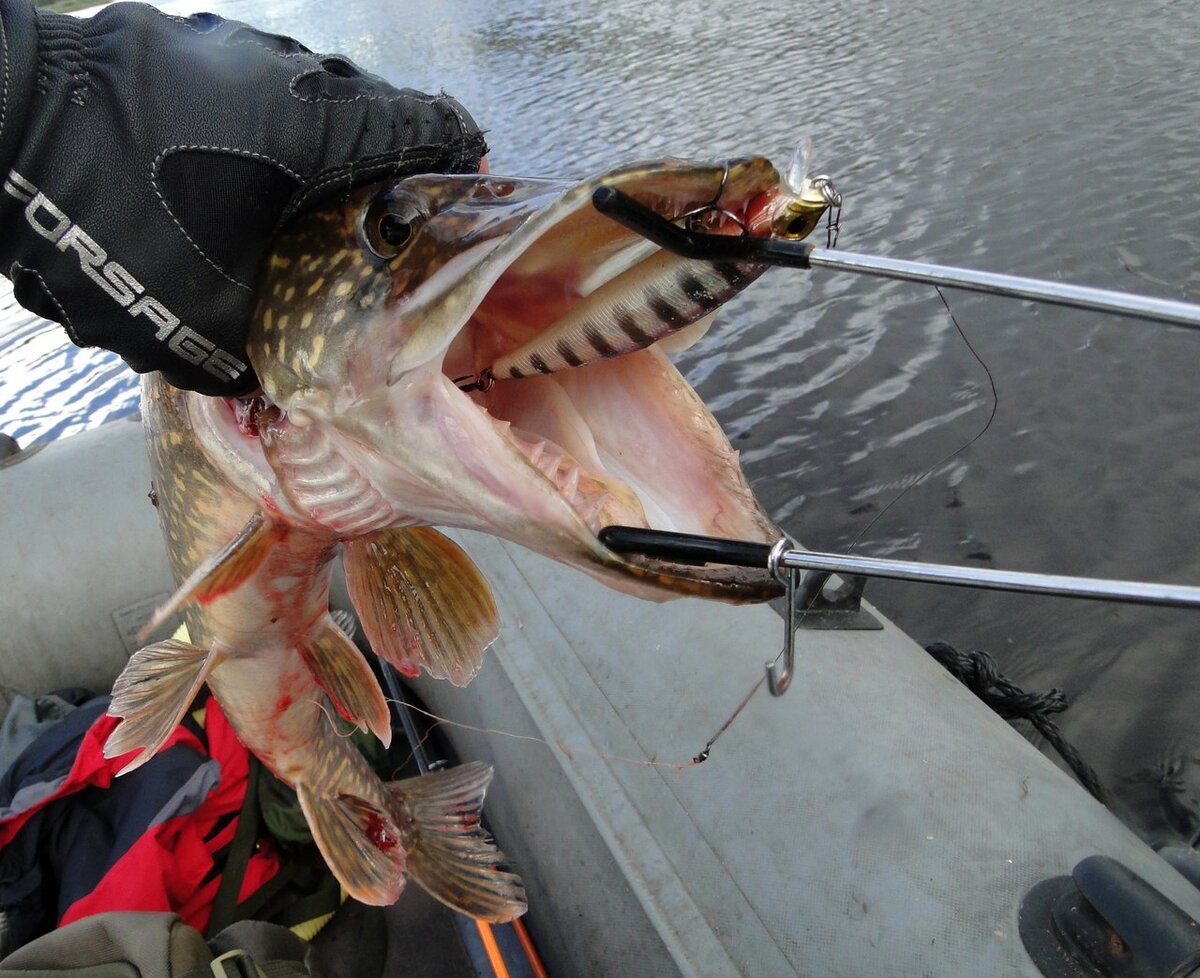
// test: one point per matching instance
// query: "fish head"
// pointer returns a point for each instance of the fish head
(372, 312)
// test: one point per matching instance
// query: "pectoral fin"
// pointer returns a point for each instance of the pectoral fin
(450, 854)
(340, 669)
(152, 694)
(361, 845)
(422, 602)
(222, 572)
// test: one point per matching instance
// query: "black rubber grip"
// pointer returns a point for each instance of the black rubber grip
(684, 548)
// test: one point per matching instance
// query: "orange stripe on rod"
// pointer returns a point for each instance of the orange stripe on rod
(539, 969)
(495, 958)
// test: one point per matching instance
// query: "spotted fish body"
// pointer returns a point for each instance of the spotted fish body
(278, 603)
(362, 440)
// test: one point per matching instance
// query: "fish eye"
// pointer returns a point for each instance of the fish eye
(387, 223)
(394, 230)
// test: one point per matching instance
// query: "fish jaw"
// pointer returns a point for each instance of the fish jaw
(366, 366)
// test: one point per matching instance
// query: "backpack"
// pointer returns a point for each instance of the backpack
(132, 944)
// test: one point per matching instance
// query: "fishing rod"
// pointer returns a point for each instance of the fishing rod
(783, 560)
(799, 254)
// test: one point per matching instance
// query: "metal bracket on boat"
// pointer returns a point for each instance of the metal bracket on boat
(808, 602)
(691, 243)
(834, 607)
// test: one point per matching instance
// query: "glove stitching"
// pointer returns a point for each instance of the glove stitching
(79, 77)
(182, 22)
(359, 169)
(462, 131)
(154, 172)
(5, 56)
(228, 149)
(398, 97)
(65, 322)
(269, 50)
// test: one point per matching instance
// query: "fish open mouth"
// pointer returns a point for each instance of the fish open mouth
(491, 353)
(593, 410)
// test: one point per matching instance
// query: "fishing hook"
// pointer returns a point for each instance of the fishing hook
(689, 219)
(482, 382)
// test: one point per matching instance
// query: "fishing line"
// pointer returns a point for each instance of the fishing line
(342, 728)
(922, 478)
(569, 752)
(416, 749)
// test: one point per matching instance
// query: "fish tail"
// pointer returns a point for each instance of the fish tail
(450, 854)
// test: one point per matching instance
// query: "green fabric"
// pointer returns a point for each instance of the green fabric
(127, 942)
(224, 910)
(281, 813)
(325, 900)
(241, 965)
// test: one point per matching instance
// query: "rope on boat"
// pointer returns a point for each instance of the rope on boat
(978, 671)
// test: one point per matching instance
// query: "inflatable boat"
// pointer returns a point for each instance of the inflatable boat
(877, 819)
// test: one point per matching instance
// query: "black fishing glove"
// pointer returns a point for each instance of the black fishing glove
(148, 160)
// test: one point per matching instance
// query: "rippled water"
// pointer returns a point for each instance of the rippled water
(1045, 139)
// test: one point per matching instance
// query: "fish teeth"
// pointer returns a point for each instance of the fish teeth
(591, 511)
(547, 463)
(568, 483)
(557, 466)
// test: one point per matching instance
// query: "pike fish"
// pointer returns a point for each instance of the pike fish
(365, 436)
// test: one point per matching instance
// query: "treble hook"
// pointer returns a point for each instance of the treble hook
(833, 200)
(689, 219)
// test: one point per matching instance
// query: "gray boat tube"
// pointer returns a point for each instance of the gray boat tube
(877, 820)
